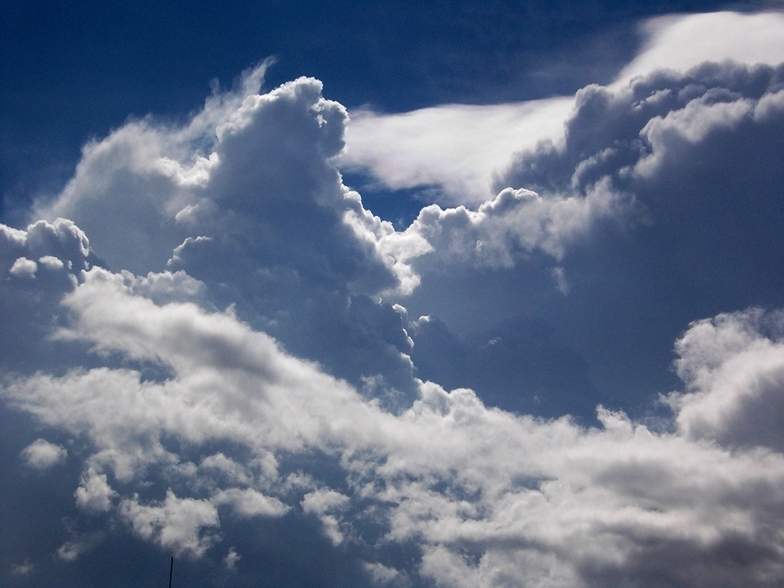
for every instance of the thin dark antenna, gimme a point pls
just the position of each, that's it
(171, 570)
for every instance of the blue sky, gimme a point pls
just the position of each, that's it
(381, 295)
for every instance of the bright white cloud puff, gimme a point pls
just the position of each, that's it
(41, 455)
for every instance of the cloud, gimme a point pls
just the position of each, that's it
(681, 42)
(735, 379)
(231, 559)
(94, 493)
(514, 224)
(23, 267)
(616, 139)
(41, 454)
(632, 132)
(698, 235)
(252, 222)
(456, 148)
(249, 503)
(457, 151)
(23, 569)
(487, 496)
(130, 186)
(381, 575)
(37, 266)
(175, 524)
(243, 369)
(325, 504)
(79, 545)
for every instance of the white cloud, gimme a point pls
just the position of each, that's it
(41, 455)
(489, 497)
(326, 505)
(79, 545)
(231, 559)
(735, 378)
(23, 268)
(515, 223)
(681, 42)
(51, 262)
(175, 523)
(499, 234)
(61, 236)
(263, 230)
(94, 493)
(59, 245)
(460, 149)
(382, 575)
(23, 569)
(144, 189)
(250, 503)
(713, 111)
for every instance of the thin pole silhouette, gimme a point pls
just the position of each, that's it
(171, 570)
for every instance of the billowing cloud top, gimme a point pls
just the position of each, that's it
(213, 349)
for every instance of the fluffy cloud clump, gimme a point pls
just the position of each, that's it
(733, 368)
(41, 454)
(633, 132)
(231, 352)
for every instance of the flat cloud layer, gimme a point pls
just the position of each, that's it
(207, 346)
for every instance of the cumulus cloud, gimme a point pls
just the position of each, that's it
(251, 221)
(619, 145)
(733, 368)
(249, 503)
(326, 504)
(41, 454)
(456, 151)
(634, 131)
(246, 357)
(23, 267)
(175, 523)
(94, 493)
(231, 559)
(78, 545)
(37, 266)
(515, 223)
(489, 497)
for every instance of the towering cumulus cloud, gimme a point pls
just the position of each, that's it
(211, 348)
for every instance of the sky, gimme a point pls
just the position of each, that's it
(392, 295)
